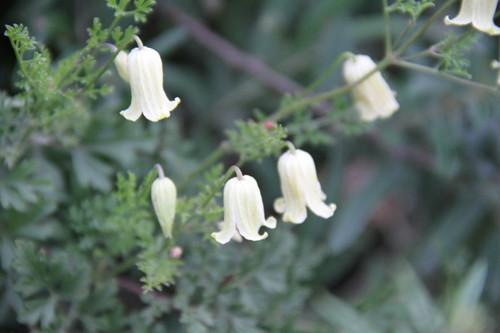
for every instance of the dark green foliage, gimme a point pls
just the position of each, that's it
(413, 8)
(453, 53)
(253, 141)
(46, 282)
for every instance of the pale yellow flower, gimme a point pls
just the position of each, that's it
(144, 70)
(164, 198)
(243, 211)
(373, 97)
(121, 63)
(479, 13)
(300, 188)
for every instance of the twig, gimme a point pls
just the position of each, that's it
(229, 53)
(413, 38)
(435, 72)
(387, 30)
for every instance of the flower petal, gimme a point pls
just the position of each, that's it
(227, 232)
(464, 16)
(132, 113)
(270, 222)
(279, 205)
(483, 19)
(320, 208)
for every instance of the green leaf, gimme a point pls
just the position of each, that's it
(90, 171)
(342, 316)
(453, 54)
(43, 281)
(351, 220)
(158, 267)
(465, 309)
(423, 314)
(21, 187)
(414, 8)
(254, 142)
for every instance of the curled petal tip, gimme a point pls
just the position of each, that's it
(455, 21)
(219, 239)
(130, 114)
(271, 222)
(279, 205)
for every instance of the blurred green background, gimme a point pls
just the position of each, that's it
(420, 190)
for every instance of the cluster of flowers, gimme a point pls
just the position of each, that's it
(243, 205)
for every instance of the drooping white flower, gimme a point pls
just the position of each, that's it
(495, 64)
(144, 71)
(164, 198)
(479, 13)
(373, 97)
(243, 210)
(300, 188)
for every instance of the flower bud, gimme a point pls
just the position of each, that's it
(121, 64)
(164, 198)
(176, 252)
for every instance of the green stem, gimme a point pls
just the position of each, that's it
(208, 161)
(328, 73)
(103, 69)
(413, 38)
(316, 99)
(449, 77)
(387, 29)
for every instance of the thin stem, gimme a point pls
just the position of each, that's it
(403, 33)
(291, 147)
(436, 72)
(208, 161)
(287, 110)
(387, 29)
(138, 41)
(158, 167)
(328, 73)
(238, 172)
(413, 38)
(103, 69)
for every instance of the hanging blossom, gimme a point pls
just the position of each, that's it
(478, 12)
(243, 210)
(373, 97)
(300, 187)
(495, 64)
(164, 198)
(143, 69)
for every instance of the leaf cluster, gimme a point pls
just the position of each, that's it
(413, 8)
(253, 141)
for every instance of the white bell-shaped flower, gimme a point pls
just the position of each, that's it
(164, 198)
(144, 71)
(495, 64)
(479, 13)
(243, 211)
(373, 97)
(300, 188)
